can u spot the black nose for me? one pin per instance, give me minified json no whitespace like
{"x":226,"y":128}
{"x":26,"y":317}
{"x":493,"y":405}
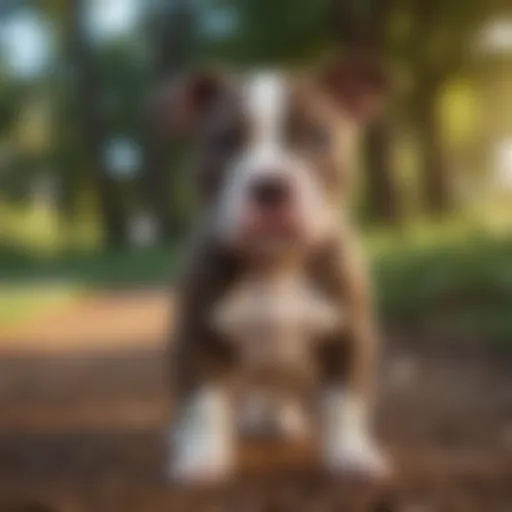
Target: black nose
{"x":270,"y":191}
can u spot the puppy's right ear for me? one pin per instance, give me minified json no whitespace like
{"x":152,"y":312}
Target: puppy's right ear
{"x":178,"y":106}
{"x":358,"y":83}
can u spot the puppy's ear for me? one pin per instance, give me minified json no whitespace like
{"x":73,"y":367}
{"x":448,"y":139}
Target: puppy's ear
{"x":358,"y":83}
{"x":178,"y":106}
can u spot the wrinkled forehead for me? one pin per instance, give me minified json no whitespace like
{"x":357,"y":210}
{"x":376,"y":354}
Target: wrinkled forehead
{"x":262,"y":103}
{"x":257,"y":102}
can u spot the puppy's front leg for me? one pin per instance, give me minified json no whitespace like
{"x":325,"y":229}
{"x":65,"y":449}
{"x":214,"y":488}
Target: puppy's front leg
{"x":202,"y":427}
{"x":348,"y":443}
{"x":203,"y":437}
{"x":348,"y":368}
{"x":202,"y":431}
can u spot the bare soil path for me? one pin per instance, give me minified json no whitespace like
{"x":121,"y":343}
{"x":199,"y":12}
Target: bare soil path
{"x":97,"y":321}
{"x":82,"y":429}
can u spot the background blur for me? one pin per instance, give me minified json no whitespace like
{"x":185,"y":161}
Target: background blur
{"x":93,"y":209}
{"x":87,"y":197}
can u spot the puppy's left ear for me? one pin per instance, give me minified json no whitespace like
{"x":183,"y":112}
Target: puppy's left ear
{"x":358,"y":83}
{"x":178,"y":106}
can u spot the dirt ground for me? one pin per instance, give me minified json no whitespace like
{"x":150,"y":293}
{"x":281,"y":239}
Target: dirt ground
{"x":86,"y":432}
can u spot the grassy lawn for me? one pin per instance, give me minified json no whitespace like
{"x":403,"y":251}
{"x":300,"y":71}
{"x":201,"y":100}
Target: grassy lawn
{"x":110,"y":269}
{"x":455,"y":275}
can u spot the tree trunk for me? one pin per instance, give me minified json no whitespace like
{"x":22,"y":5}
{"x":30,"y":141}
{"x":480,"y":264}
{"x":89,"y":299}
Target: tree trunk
{"x":171,"y":40}
{"x":382,"y":185}
{"x":361,"y":26}
{"x":93,"y":130}
{"x":434,"y":168}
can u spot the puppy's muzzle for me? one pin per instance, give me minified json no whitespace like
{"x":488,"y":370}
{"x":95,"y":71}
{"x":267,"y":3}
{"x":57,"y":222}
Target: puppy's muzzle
{"x":271,"y":192}
{"x":272,"y":206}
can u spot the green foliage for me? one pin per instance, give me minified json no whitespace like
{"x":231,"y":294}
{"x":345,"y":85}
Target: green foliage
{"x":269,"y":32}
{"x":138,"y":267}
{"x":451,"y":275}
{"x":459,"y":281}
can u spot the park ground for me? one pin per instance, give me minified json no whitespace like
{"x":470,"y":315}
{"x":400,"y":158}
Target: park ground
{"x":83,"y":418}
{"x":83,"y":388}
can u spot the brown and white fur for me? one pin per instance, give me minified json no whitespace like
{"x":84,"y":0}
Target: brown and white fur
{"x":273,"y":322}
{"x":273,"y":172}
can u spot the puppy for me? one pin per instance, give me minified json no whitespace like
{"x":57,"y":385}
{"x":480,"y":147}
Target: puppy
{"x":273,"y":154}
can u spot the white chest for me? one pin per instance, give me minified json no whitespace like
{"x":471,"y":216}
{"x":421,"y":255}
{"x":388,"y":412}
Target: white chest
{"x":274,"y":322}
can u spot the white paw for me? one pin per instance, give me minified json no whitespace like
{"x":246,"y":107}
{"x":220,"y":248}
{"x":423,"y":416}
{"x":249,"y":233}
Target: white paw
{"x":200,"y":457}
{"x":192,"y":470}
{"x":348,"y":444}
{"x":202,"y":446}
{"x":359,"y":457}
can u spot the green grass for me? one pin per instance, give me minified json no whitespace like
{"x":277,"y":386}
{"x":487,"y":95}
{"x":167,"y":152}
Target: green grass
{"x":126,"y":268}
{"x":453,"y":279}
{"x":456,"y":275}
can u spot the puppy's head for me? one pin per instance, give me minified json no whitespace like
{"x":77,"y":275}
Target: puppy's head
{"x":273,"y":149}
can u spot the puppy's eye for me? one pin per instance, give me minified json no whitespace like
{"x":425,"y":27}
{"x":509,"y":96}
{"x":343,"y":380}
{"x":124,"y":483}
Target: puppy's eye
{"x":319,"y":137}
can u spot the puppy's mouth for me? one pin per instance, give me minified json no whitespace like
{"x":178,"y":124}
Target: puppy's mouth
{"x":275,"y":224}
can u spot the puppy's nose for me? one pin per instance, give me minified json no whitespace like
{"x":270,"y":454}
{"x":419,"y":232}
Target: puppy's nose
{"x":270,"y":191}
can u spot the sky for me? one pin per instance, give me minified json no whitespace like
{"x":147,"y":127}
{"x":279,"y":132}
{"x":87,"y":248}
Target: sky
{"x":109,"y":18}
{"x":26,"y":40}
{"x":497,"y":35}
{"x":26,"y":43}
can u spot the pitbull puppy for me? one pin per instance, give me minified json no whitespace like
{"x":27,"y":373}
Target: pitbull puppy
{"x":273,"y":153}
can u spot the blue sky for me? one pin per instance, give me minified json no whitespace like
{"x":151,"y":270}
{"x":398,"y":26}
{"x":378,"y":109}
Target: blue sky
{"x":26,"y":40}
{"x":26,"y":43}
{"x":113,"y":17}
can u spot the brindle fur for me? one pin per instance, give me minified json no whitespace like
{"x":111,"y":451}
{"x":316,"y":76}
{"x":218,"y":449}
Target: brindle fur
{"x":201,"y":356}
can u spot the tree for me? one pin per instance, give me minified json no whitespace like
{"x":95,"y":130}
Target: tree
{"x":172,"y":43}
{"x":363,"y":25}
{"x":435,"y":47}
{"x":430,"y":41}
{"x":90,"y":116}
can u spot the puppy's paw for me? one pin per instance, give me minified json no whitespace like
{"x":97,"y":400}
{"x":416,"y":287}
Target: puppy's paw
{"x":199,"y":471}
{"x":200,"y":457}
{"x":348,"y":445}
{"x":358,"y":457}
{"x":202,"y":443}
